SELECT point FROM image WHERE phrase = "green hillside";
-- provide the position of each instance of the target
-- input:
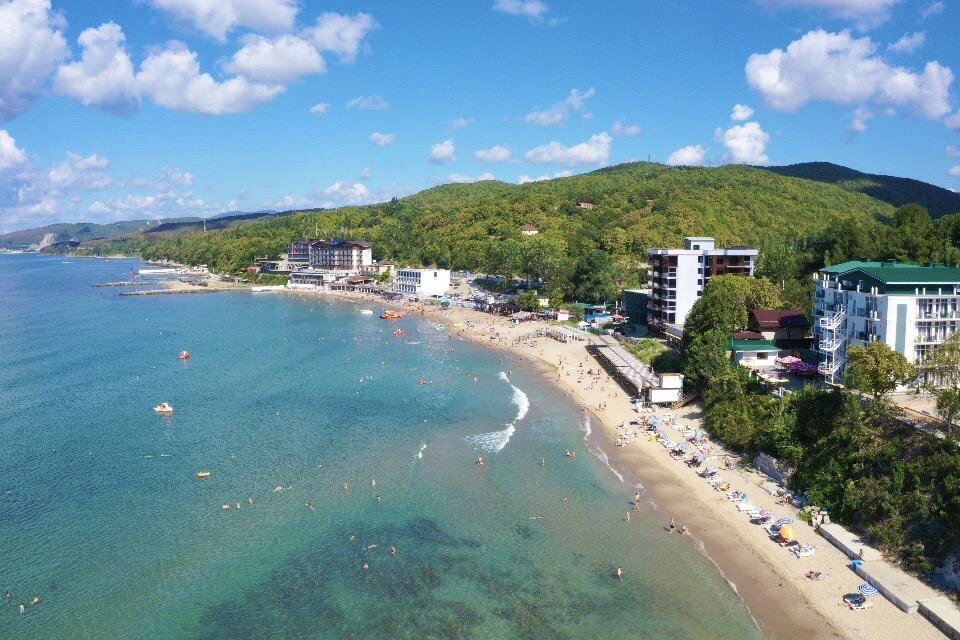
(890, 189)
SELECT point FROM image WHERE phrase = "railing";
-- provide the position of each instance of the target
(828, 367)
(830, 345)
(833, 321)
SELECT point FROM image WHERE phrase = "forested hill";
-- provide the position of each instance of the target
(635, 206)
(890, 189)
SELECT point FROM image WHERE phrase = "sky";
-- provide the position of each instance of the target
(161, 108)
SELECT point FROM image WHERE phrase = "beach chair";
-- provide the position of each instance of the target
(745, 506)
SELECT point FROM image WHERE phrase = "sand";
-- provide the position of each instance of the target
(768, 578)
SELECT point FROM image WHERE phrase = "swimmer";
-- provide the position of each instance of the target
(636, 497)
(353, 538)
(373, 483)
(8, 596)
(480, 460)
(36, 600)
(379, 499)
(346, 486)
(619, 573)
(627, 517)
(237, 506)
(249, 500)
(226, 506)
(539, 516)
(365, 567)
(277, 489)
(372, 546)
(393, 551)
(310, 505)
(542, 462)
(23, 609)
(564, 498)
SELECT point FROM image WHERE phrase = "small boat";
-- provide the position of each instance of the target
(391, 315)
(203, 475)
(184, 355)
(164, 408)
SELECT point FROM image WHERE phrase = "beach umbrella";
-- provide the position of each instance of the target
(783, 521)
(868, 590)
(786, 533)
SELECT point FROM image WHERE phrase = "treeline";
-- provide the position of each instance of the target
(588, 253)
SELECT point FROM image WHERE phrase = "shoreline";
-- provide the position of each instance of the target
(769, 581)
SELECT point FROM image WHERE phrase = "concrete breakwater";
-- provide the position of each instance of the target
(172, 292)
(125, 283)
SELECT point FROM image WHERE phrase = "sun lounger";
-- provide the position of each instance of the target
(745, 506)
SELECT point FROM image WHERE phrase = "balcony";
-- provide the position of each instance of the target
(828, 367)
(830, 345)
(832, 321)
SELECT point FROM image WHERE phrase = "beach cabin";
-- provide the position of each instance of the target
(754, 354)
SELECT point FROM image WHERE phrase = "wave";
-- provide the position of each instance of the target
(602, 456)
(586, 428)
(415, 342)
(493, 441)
(420, 453)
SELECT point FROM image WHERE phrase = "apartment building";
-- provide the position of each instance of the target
(678, 276)
(910, 307)
(421, 283)
(347, 255)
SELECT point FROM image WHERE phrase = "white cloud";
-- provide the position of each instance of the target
(533, 9)
(932, 9)
(98, 207)
(838, 68)
(173, 177)
(745, 143)
(320, 108)
(496, 153)
(689, 156)
(859, 120)
(279, 60)
(954, 170)
(443, 152)
(219, 17)
(866, 14)
(741, 112)
(952, 122)
(31, 47)
(560, 111)
(103, 77)
(953, 151)
(908, 42)
(462, 179)
(172, 77)
(596, 150)
(10, 154)
(366, 174)
(340, 34)
(369, 103)
(621, 129)
(345, 193)
(79, 171)
(524, 179)
(383, 139)
(460, 123)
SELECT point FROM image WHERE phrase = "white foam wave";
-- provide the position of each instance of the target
(585, 427)
(602, 456)
(493, 441)
(422, 449)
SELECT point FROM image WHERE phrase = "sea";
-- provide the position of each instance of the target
(329, 440)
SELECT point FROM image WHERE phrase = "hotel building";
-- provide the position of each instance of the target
(678, 277)
(342, 255)
(421, 283)
(912, 308)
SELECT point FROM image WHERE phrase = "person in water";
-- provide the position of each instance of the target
(684, 531)
(393, 551)
(619, 573)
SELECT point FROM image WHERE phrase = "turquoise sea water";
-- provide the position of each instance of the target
(102, 516)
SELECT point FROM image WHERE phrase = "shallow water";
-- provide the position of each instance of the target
(102, 516)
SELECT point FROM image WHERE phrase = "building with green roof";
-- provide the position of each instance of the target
(911, 307)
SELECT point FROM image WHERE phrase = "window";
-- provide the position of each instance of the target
(696, 247)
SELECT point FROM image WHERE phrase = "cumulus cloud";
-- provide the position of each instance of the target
(219, 17)
(859, 120)
(596, 150)
(559, 112)
(866, 14)
(369, 103)
(346, 193)
(741, 112)
(952, 122)
(171, 177)
(172, 77)
(954, 170)
(443, 152)
(620, 129)
(533, 9)
(10, 154)
(103, 77)
(279, 60)
(908, 42)
(689, 156)
(496, 153)
(383, 139)
(340, 34)
(31, 47)
(460, 123)
(844, 70)
(81, 171)
(745, 143)
(320, 109)
(524, 179)
(463, 179)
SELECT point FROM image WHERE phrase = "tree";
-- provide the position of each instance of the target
(529, 301)
(726, 304)
(556, 298)
(705, 357)
(942, 374)
(876, 369)
(596, 281)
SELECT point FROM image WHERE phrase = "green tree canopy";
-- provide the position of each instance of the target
(876, 369)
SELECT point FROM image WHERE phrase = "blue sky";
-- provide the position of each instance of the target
(159, 108)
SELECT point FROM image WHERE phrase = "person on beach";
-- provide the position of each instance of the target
(627, 517)
(684, 531)
(673, 525)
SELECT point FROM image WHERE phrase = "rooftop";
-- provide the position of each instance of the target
(892, 272)
(779, 318)
(752, 345)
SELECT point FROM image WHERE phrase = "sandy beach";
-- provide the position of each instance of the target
(771, 581)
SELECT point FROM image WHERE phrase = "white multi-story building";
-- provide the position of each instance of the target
(421, 283)
(910, 307)
(678, 276)
(348, 255)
